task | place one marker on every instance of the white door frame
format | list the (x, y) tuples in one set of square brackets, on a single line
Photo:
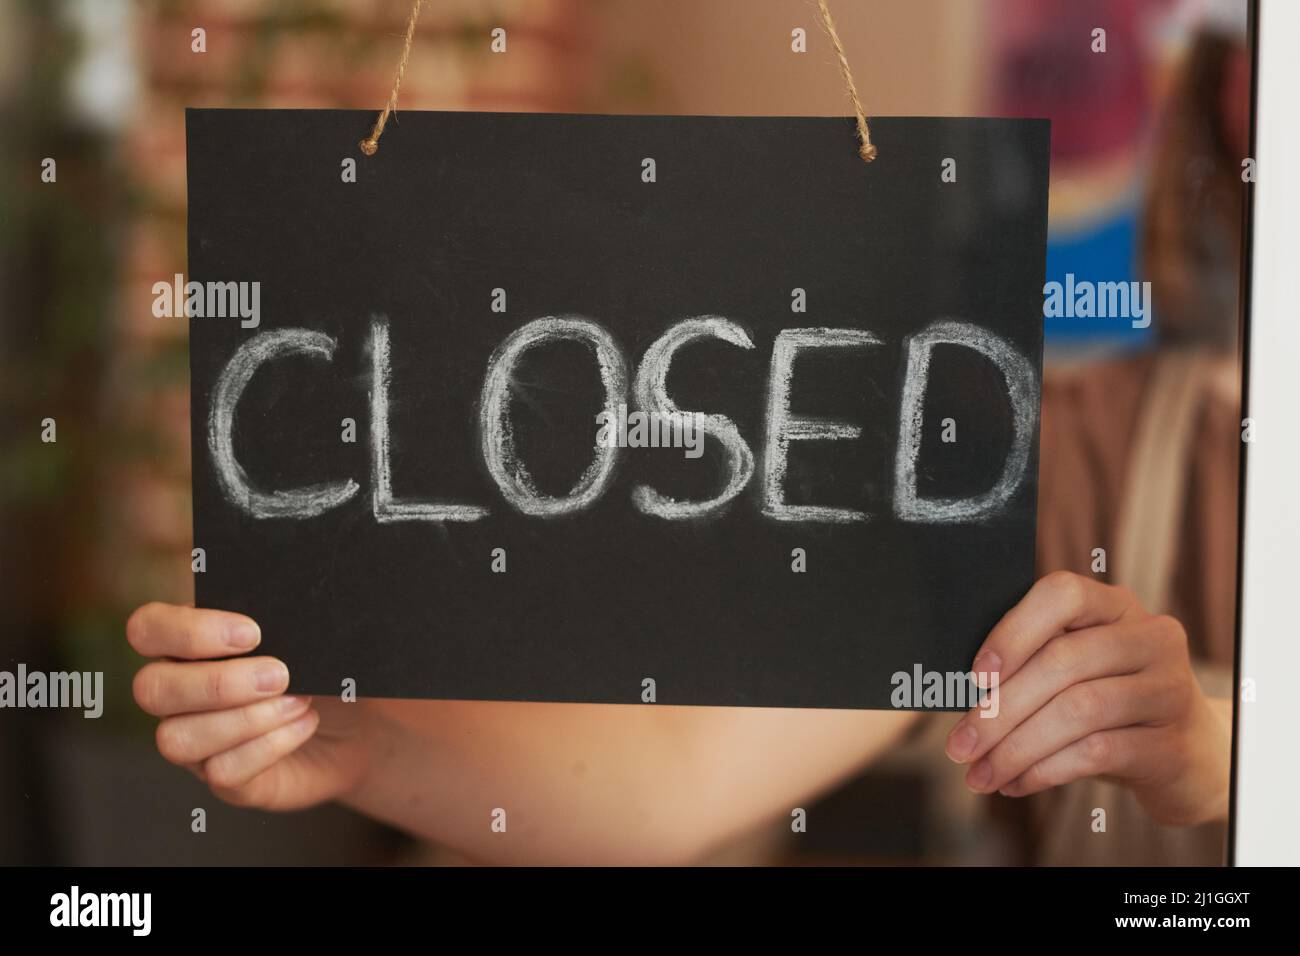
[(1266, 817)]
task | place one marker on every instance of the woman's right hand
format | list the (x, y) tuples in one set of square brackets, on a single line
[(230, 722)]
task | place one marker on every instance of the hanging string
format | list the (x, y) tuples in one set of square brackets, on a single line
[(370, 145), (867, 151)]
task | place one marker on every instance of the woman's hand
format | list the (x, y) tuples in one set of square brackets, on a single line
[(1090, 684), (230, 722)]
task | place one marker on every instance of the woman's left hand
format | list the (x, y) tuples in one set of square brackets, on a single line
[(1088, 683)]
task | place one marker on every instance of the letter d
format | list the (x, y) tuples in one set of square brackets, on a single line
[(1022, 389)]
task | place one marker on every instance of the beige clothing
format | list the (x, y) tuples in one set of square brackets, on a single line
[(1090, 426), (1141, 457)]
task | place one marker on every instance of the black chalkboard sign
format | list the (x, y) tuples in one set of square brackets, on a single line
[(703, 410)]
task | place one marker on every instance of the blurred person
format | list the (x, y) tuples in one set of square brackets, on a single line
[(1142, 455), (1097, 682)]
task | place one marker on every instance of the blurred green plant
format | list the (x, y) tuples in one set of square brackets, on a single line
[(59, 261)]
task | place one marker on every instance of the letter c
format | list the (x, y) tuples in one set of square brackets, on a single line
[(305, 502)]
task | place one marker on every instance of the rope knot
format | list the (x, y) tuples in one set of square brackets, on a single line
[(866, 151), (370, 145)]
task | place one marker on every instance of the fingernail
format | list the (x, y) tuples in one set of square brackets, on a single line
[(986, 663), (291, 705), (271, 677), (243, 635), (979, 775), (961, 742)]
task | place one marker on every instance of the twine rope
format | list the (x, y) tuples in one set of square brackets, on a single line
[(868, 152), (370, 145)]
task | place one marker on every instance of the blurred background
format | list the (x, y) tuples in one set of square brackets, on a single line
[(99, 521)]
